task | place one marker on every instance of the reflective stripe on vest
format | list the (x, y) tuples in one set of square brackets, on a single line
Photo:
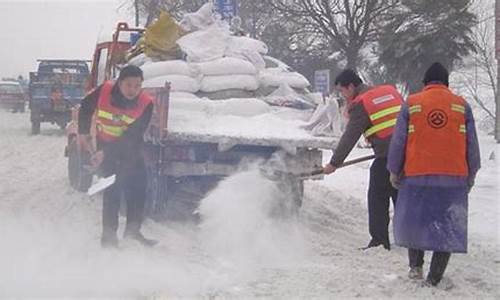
[(116, 131), (112, 117), (385, 112), (380, 127), (415, 108), (112, 122), (411, 128), (382, 104)]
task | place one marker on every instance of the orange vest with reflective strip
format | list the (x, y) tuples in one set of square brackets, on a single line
[(112, 122), (382, 103), (436, 143)]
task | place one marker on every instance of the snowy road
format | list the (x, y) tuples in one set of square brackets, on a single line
[(50, 238)]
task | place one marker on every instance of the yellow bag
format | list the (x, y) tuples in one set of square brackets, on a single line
[(160, 38)]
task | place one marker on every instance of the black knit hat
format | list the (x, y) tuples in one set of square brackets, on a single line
[(130, 71), (436, 73)]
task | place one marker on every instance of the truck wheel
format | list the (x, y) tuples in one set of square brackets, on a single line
[(79, 178), (35, 127)]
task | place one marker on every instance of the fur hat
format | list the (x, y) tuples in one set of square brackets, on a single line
[(436, 72)]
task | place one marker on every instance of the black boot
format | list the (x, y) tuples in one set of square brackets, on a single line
[(137, 235), (374, 243), (439, 262)]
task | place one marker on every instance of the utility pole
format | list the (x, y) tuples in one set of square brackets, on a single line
[(497, 55)]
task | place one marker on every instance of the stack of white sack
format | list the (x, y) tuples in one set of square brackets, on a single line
[(182, 76), (227, 62), (228, 73), (281, 74)]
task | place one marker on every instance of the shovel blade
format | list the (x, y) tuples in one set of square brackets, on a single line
[(101, 185)]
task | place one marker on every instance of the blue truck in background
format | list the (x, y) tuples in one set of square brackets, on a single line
[(56, 87)]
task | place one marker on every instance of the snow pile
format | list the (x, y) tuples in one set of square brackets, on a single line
[(189, 103), (50, 238), (236, 117), (241, 229)]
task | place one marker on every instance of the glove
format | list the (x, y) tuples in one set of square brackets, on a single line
[(395, 180), (470, 182)]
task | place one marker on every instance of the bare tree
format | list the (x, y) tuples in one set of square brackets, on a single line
[(347, 24), (478, 80)]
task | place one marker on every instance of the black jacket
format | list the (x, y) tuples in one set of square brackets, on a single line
[(359, 122), (126, 154)]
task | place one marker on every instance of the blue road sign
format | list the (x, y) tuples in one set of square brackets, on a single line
[(227, 8)]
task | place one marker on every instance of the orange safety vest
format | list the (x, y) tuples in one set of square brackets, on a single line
[(112, 122), (382, 103), (436, 143)]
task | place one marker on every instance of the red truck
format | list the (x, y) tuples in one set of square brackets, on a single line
[(183, 164)]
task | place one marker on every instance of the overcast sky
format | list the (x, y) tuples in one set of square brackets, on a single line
[(35, 29)]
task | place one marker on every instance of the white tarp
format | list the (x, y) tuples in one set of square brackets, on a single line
[(286, 96), (326, 119), (226, 82), (199, 19), (205, 45)]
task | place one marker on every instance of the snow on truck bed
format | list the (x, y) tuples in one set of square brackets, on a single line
[(240, 121)]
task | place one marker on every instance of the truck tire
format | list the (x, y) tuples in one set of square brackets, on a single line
[(79, 178), (176, 199), (35, 127)]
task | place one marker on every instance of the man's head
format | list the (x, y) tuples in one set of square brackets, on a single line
[(346, 82), (130, 81), (436, 73)]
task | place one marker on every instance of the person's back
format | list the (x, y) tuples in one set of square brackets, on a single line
[(436, 123)]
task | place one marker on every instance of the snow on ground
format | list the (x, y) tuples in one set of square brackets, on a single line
[(50, 237)]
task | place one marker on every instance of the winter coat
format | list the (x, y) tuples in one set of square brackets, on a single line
[(358, 122), (124, 156), (432, 210)]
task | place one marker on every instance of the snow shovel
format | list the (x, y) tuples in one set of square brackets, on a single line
[(316, 172), (101, 185)]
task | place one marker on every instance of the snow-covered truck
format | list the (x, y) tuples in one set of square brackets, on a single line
[(210, 125)]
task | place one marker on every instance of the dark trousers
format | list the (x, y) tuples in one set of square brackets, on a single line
[(379, 192), (133, 188), (439, 262)]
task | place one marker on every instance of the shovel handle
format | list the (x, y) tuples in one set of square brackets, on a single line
[(357, 160), (344, 164)]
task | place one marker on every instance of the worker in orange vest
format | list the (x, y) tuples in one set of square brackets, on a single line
[(123, 112), (372, 112), (433, 160)]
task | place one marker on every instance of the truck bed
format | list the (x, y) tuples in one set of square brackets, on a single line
[(278, 127)]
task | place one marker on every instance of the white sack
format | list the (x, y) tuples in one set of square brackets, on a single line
[(272, 77), (205, 45), (226, 82), (179, 83), (169, 67), (226, 66)]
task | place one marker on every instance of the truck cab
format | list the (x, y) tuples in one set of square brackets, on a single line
[(54, 89)]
